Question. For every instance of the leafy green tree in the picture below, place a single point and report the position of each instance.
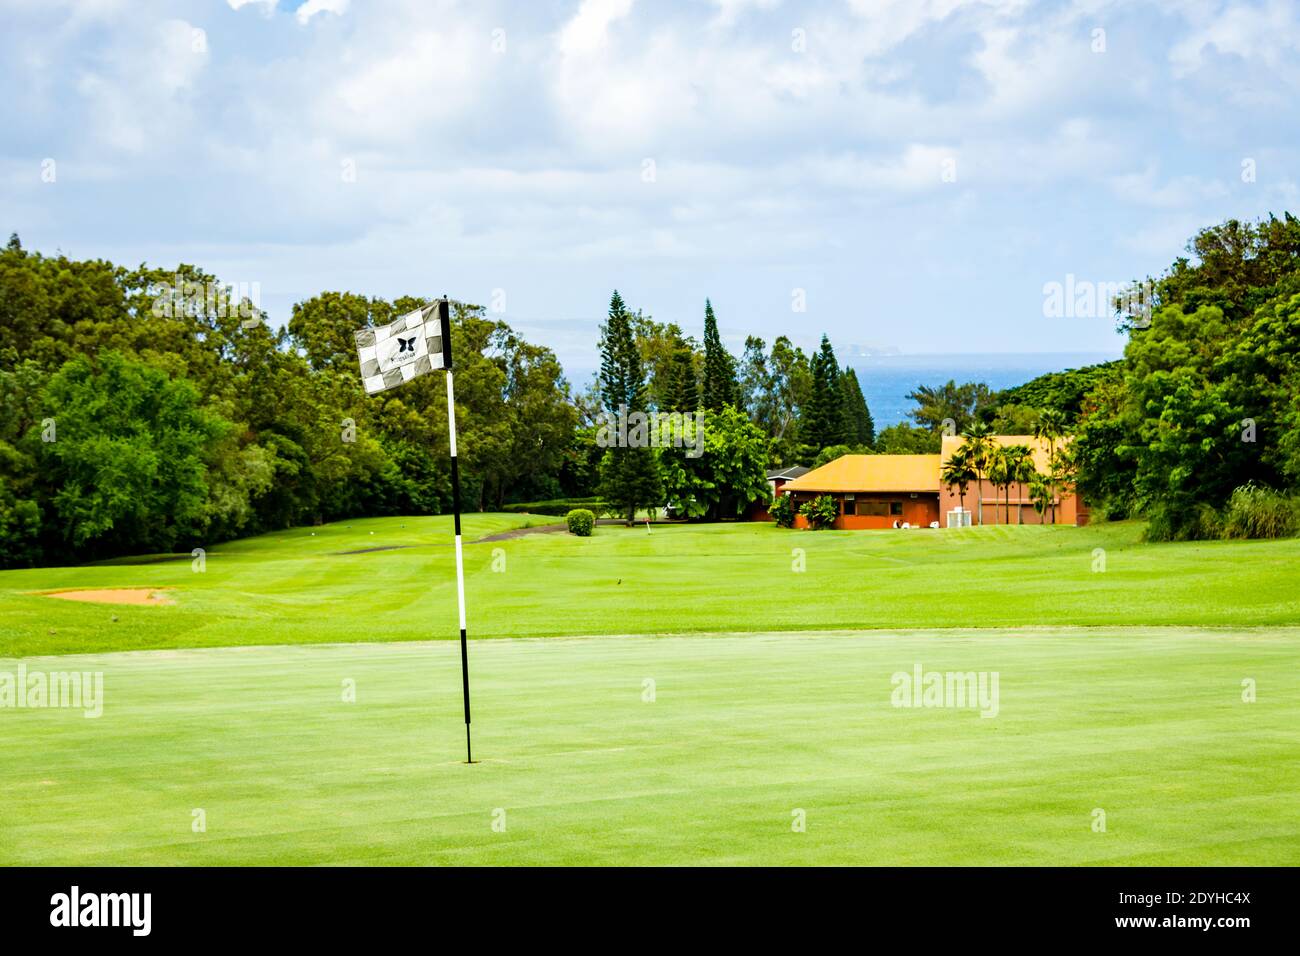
(950, 402)
(790, 377)
(1015, 420)
(1062, 392)
(832, 452)
(905, 439)
(128, 455)
(323, 326)
(730, 474)
(757, 389)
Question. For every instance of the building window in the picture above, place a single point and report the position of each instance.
(896, 508)
(850, 505)
(879, 508)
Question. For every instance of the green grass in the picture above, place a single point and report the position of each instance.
(1119, 689)
(1148, 725)
(294, 587)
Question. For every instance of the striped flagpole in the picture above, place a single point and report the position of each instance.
(444, 315)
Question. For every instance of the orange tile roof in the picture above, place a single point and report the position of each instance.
(853, 473)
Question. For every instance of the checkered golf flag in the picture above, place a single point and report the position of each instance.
(396, 353)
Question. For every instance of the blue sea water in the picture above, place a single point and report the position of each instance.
(887, 379)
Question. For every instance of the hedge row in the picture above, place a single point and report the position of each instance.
(558, 506)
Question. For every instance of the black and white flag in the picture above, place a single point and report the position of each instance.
(399, 351)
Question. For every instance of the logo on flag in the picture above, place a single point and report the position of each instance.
(398, 352)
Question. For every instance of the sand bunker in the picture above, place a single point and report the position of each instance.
(115, 595)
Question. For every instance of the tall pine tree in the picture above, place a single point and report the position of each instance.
(824, 422)
(682, 389)
(859, 425)
(720, 386)
(629, 470)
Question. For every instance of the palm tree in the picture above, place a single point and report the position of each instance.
(978, 446)
(999, 468)
(1039, 493)
(1051, 429)
(1021, 471)
(958, 471)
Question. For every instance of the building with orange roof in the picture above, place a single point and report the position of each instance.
(889, 491)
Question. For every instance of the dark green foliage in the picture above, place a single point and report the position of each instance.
(821, 512)
(859, 428)
(831, 452)
(1193, 522)
(824, 424)
(950, 403)
(1063, 391)
(681, 392)
(727, 477)
(629, 476)
(905, 439)
(1204, 402)
(183, 419)
(783, 511)
(720, 387)
(126, 467)
(580, 521)
(1236, 267)
(557, 507)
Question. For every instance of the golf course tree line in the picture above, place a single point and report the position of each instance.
(126, 427)
(129, 428)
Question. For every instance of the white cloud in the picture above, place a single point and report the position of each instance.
(588, 31)
(1268, 33)
(312, 7)
(138, 96)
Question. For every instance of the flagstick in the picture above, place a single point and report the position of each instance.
(445, 316)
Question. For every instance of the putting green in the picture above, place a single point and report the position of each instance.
(743, 732)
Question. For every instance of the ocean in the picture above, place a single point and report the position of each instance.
(887, 379)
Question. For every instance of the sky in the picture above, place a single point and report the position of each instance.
(902, 175)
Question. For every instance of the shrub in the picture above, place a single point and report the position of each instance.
(783, 511)
(821, 512)
(1196, 522)
(1257, 512)
(580, 522)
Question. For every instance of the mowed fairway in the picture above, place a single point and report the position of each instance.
(1120, 672)
(742, 732)
(325, 584)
